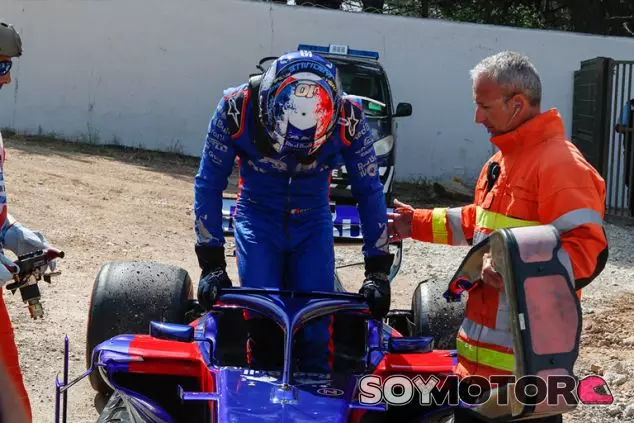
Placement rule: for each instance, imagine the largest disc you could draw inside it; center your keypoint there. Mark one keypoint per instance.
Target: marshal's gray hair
(513, 72)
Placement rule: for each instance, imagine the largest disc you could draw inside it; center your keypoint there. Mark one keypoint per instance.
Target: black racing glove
(376, 286)
(214, 275)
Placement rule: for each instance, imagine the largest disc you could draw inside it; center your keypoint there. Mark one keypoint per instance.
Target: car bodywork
(196, 371)
(201, 387)
(284, 395)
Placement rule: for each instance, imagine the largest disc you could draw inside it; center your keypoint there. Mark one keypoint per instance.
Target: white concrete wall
(149, 72)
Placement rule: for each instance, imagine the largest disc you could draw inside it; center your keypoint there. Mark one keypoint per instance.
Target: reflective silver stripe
(574, 218)
(564, 259)
(502, 320)
(479, 333)
(479, 236)
(455, 223)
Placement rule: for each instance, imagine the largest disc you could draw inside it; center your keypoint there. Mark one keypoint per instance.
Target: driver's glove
(376, 286)
(21, 240)
(7, 269)
(214, 275)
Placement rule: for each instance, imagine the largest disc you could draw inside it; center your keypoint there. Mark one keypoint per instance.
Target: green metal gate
(602, 122)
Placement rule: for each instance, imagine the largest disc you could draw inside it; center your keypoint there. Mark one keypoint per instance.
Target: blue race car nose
(254, 396)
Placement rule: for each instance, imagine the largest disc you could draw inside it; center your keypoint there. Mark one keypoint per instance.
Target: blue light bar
(340, 49)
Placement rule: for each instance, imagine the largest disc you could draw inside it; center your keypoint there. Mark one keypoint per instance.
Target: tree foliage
(603, 17)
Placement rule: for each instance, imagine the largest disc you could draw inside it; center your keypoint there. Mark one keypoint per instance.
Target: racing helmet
(300, 100)
(10, 41)
(10, 46)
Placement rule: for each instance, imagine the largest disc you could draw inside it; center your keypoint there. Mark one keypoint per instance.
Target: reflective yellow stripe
(439, 226)
(491, 220)
(485, 356)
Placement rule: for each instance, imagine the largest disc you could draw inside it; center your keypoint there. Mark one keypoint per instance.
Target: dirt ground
(100, 204)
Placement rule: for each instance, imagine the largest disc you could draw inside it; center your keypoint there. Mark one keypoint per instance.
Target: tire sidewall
(126, 296)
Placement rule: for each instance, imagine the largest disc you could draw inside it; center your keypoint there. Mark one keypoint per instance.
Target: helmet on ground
(300, 100)
(10, 41)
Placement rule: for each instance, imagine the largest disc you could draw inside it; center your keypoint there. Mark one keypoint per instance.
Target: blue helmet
(300, 100)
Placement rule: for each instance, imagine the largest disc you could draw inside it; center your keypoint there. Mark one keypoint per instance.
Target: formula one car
(158, 357)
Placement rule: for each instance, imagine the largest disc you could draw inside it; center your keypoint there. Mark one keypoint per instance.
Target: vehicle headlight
(383, 146)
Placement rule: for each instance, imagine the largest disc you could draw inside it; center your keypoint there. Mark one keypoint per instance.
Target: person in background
(537, 177)
(16, 238)
(625, 126)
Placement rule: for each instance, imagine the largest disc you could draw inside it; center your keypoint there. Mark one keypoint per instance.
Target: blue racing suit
(283, 223)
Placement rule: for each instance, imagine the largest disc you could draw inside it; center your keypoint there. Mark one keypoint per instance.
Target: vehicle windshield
(367, 83)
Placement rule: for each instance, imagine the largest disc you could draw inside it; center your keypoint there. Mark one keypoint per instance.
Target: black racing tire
(126, 296)
(434, 316)
(115, 410)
